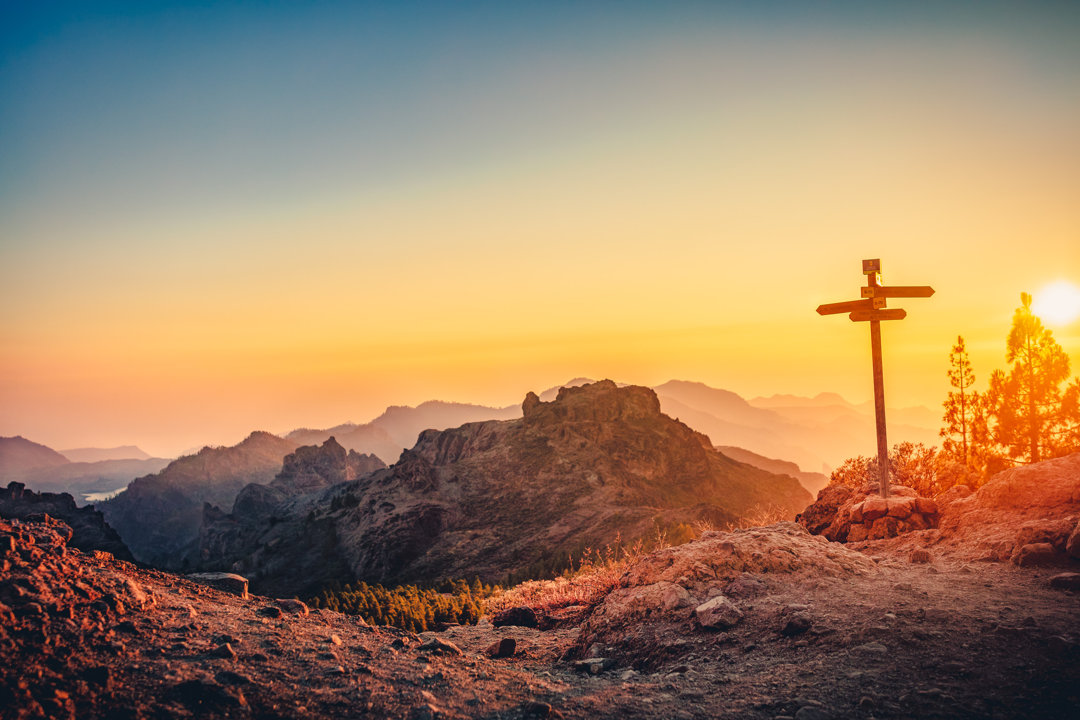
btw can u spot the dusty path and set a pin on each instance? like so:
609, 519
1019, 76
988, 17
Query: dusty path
90, 637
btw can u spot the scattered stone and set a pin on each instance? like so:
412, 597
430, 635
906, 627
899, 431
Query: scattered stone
1066, 581
229, 582
520, 616
1037, 555
438, 646
536, 709
228, 677
504, 648
225, 650
207, 696
812, 712
294, 607
796, 625
222, 639
594, 666
718, 614
270, 611
872, 648
427, 711
919, 556
335, 639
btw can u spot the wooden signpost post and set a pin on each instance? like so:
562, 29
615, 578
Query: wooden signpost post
871, 308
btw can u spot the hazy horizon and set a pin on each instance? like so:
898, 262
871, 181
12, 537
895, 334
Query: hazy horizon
228, 217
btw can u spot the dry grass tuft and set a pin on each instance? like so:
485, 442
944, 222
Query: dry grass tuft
597, 574
759, 516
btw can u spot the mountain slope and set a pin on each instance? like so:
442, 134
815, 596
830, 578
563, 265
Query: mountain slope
17, 455
812, 481
500, 496
158, 516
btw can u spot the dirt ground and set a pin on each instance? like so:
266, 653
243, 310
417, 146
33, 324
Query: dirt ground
90, 637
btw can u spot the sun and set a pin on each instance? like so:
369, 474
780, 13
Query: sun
1057, 303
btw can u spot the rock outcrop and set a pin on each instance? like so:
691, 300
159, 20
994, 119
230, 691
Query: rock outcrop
852, 515
497, 497
159, 516
1025, 505
703, 584
85, 527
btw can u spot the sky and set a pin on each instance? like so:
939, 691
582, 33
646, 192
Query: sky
222, 217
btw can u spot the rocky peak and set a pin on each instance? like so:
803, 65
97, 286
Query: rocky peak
313, 467
601, 401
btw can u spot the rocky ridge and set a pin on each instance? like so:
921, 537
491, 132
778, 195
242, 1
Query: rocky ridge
159, 516
496, 497
87, 526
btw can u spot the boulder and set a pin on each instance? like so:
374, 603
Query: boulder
900, 507
821, 514
873, 509
718, 614
521, 616
1066, 581
294, 607
1072, 545
229, 582
438, 646
1037, 554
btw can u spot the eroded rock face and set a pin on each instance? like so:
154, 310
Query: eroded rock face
493, 497
1026, 505
87, 527
159, 516
846, 515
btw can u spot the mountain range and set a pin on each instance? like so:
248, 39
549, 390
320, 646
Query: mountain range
88, 474
493, 498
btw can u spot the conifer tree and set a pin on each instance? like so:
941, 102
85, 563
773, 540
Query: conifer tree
1027, 407
960, 406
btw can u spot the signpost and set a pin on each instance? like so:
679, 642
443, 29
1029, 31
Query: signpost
871, 308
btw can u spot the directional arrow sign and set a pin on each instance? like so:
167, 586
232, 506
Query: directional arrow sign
844, 307
862, 315
909, 291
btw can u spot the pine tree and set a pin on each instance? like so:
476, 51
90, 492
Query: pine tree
960, 406
1027, 408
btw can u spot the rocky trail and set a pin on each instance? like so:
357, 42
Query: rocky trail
819, 631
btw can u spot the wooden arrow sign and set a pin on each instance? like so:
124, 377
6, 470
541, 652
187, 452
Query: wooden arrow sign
872, 309
897, 291
845, 307
863, 315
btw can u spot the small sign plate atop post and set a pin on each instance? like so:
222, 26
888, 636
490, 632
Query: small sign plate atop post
871, 308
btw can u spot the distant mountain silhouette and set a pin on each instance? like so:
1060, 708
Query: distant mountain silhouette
90, 455
158, 516
43, 469
83, 479
399, 425
812, 481
17, 455
812, 432
493, 497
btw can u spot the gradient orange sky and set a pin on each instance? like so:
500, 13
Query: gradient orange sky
214, 220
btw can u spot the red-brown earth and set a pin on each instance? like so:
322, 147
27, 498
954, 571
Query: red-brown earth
806, 628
